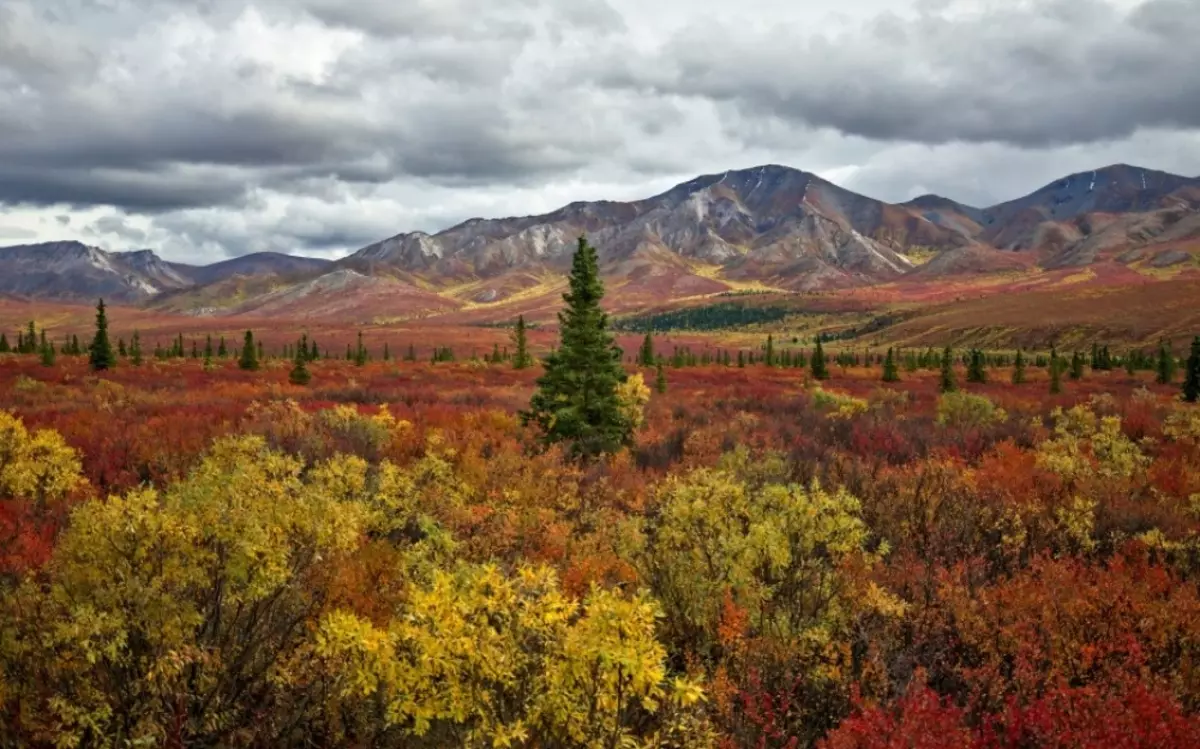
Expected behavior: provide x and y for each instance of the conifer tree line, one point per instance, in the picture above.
(1162, 361)
(102, 355)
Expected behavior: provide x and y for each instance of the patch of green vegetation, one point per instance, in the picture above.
(874, 325)
(712, 317)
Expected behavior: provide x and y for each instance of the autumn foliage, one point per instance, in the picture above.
(195, 554)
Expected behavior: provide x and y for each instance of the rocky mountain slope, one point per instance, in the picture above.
(72, 271)
(770, 227)
(1077, 206)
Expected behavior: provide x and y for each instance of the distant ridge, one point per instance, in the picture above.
(769, 227)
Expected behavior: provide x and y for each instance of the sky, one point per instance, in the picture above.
(207, 129)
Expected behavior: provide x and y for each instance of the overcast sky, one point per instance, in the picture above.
(211, 128)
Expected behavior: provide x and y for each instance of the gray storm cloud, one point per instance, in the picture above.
(226, 126)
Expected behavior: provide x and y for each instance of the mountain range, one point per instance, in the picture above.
(766, 228)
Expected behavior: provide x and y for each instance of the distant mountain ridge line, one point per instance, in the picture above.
(768, 226)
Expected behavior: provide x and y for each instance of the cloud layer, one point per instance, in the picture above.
(215, 128)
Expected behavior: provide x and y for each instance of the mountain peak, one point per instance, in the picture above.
(933, 200)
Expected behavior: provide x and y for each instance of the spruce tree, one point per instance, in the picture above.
(660, 378)
(360, 352)
(948, 383)
(976, 367)
(208, 348)
(646, 355)
(769, 358)
(890, 372)
(48, 354)
(4, 348)
(300, 374)
(101, 351)
(412, 353)
(1077, 364)
(249, 358)
(1191, 379)
(31, 343)
(1056, 368)
(135, 349)
(820, 369)
(521, 359)
(1018, 375)
(1165, 366)
(576, 401)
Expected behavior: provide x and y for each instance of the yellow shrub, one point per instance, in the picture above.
(839, 405)
(964, 410)
(633, 396)
(38, 466)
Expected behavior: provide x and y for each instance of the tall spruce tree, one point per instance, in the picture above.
(576, 401)
(135, 349)
(820, 368)
(101, 352)
(660, 378)
(521, 359)
(1056, 368)
(360, 352)
(891, 372)
(1077, 364)
(1018, 373)
(249, 358)
(31, 344)
(1191, 379)
(1165, 366)
(47, 353)
(976, 367)
(646, 354)
(948, 383)
(300, 374)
